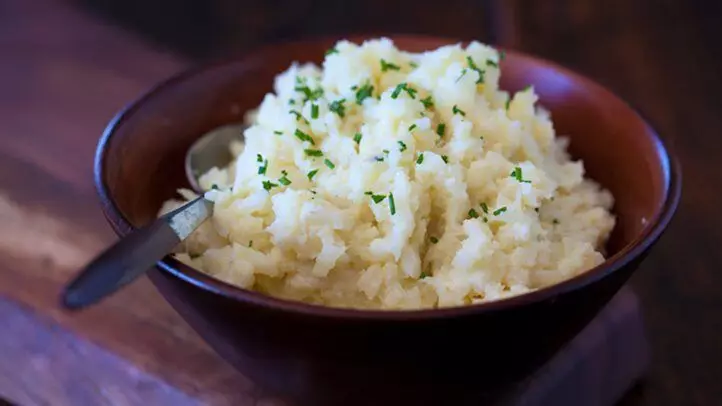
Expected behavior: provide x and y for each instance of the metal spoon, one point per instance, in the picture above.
(139, 251)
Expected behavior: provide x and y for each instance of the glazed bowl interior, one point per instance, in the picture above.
(140, 158)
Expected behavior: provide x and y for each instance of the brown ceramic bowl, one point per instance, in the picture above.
(334, 356)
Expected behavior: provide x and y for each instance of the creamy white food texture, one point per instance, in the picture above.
(394, 180)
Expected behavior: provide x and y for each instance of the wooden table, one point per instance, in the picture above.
(64, 74)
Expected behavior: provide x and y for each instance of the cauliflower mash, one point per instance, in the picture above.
(394, 180)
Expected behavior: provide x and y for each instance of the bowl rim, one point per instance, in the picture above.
(648, 236)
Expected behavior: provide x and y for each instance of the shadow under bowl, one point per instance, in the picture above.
(322, 355)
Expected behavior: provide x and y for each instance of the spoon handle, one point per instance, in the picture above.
(133, 255)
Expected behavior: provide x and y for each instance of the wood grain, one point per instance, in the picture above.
(64, 74)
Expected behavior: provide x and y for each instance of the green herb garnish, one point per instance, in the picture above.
(308, 94)
(262, 169)
(402, 146)
(268, 185)
(392, 204)
(433, 240)
(420, 159)
(331, 51)
(500, 210)
(311, 174)
(456, 110)
(445, 159)
(516, 174)
(299, 116)
(473, 66)
(491, 63)
(278, 132)
(214, 187)
(555, 221)
(441, 129)
(502, 55)
(413, 64)
(484, 208)
(259, 158)
(313, 152)
(508, 103)
(329, 163)
(424, 275)
(428, 102)
(403, 87)
(303, 136)
(314, 111)
(463, 72)
(412, 127)
(338, 107)
(357, 138)
(250, 244)
(388, 66)
(377, 198)
(284, 179)
(473, 214)
(363, 92)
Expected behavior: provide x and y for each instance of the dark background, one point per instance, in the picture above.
(663, 56)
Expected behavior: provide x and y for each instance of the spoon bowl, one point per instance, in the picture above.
(211, 150)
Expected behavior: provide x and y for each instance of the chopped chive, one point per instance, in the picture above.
(278, 132)
(308, 94)
(268, 185)
(413, 64)
(508, 103)
(329, 163)
(298, 115)
(445, 159)
(484, 208)
(555, 221)
(424, 275)
(311, 174)
(433, 240)
(385, 151)
(357, 138)
(473, 214)
(313, 152)
(331, 51)
(478, 70)
(492, 63)
(392, 204)
(378, 198)
(420, 159)
(312, 192)
(500, 210)
(338, 107)
(456, 110)
(516, 174)
(379, 158)
(528, 88)
(259, 158)
(284, 180)
(536, 209)
(214, 187)
(402, 146)
(291, 102)
(412, 127)
(303, 136)
(388, 66)
(262, 169)
(463, 72)
(441, 129)
(363, 92)
(314, 111)
(428, 102)
(403, 87)
(368, 193)
(250, 244)
(486, 219)
(502, 55)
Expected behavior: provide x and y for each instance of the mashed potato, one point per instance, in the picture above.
(395, 180)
